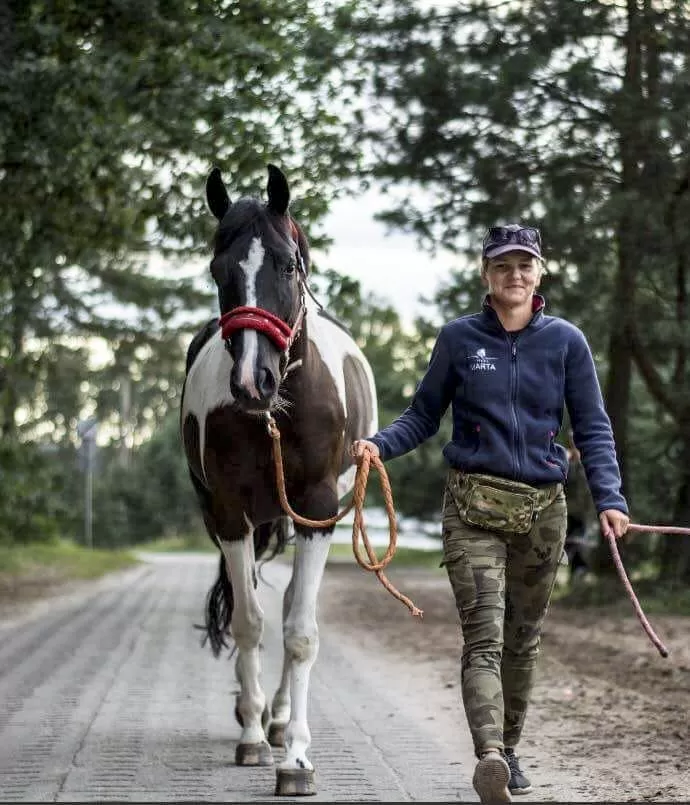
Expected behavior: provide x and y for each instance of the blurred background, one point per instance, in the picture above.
(405, 128)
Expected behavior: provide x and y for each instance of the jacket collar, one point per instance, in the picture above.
(538, 305)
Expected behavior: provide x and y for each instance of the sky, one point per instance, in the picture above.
(391, 266)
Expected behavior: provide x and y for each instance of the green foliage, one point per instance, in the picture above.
(57, 561)
(572, 116)
(37, 501)
(111, 115)
(146, 494)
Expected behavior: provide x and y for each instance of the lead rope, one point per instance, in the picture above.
(373, 564)
(376, 566)
(661, 529)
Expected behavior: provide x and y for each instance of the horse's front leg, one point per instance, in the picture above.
(246, 626)
(295, 776)
(280, 707)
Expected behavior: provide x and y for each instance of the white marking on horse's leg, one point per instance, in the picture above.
(247, 628)
(280, 708)
(251, 267)
(301, 642)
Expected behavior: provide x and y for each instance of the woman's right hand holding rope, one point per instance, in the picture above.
(366, 453)
(359, 446)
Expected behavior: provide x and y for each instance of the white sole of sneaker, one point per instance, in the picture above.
(517, 792)
(490, 780)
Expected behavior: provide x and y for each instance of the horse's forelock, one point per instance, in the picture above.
(242, 217)
(247, 216)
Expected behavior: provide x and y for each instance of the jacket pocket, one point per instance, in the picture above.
(551, 450)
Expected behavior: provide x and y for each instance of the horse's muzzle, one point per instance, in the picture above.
(255, 397)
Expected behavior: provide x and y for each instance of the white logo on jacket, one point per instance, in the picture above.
(481, 362)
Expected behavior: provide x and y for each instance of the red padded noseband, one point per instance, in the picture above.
(254, 318)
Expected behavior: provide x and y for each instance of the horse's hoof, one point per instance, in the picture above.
(253, 755)
(276, 734)
(295, 783)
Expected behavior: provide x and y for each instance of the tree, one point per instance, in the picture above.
(110, 116)
(572, 115)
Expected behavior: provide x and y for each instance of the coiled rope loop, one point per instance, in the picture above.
(372, 563)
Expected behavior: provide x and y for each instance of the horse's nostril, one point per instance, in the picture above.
(267, 382)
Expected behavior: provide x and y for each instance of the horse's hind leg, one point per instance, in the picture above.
(301, 645)
(247, 627)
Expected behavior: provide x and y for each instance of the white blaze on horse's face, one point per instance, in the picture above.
(247, 361)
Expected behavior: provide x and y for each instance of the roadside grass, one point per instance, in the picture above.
(58, 561)
(404, 557)
(656, 597)
(339, 552)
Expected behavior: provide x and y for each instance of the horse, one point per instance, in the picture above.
(272, 352)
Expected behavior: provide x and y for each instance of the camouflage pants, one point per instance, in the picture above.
(502, 584)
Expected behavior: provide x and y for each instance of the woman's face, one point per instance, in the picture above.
(512, 278)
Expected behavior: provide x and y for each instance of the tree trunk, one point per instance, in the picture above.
(620, 360)
(675, 553)
(618, 381)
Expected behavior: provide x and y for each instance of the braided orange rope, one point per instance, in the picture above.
(373, 564)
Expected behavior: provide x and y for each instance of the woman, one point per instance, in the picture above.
(507, 371)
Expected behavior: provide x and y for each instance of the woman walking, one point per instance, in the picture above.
(507, 371)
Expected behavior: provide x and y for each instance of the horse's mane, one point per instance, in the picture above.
(303, 244)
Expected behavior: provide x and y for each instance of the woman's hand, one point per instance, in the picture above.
(613, 522)
(358, 448)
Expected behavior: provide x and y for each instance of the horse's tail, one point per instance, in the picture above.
(219, 606)
(275, 535)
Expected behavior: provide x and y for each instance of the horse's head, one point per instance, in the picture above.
(259, 266)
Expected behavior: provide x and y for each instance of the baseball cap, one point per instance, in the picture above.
(501, 239)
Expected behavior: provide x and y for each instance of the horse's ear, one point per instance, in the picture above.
(278, 190)
(216, 194)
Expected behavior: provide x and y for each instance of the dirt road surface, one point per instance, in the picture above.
(610, 718)
(105, 694)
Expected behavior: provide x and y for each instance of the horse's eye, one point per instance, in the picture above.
(291, 266)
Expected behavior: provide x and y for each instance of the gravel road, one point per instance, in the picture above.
(106, 694)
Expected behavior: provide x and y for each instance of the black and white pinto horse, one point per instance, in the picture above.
(273, 350)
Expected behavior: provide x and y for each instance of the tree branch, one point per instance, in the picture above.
(658, 388)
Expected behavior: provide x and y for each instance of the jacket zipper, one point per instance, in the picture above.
(513, 407)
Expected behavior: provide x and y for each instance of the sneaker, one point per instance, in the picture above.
(518, 783)
(491, 776)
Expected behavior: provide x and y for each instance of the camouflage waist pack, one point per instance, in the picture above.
(498, 504)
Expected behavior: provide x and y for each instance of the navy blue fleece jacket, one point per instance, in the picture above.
(508, 392)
